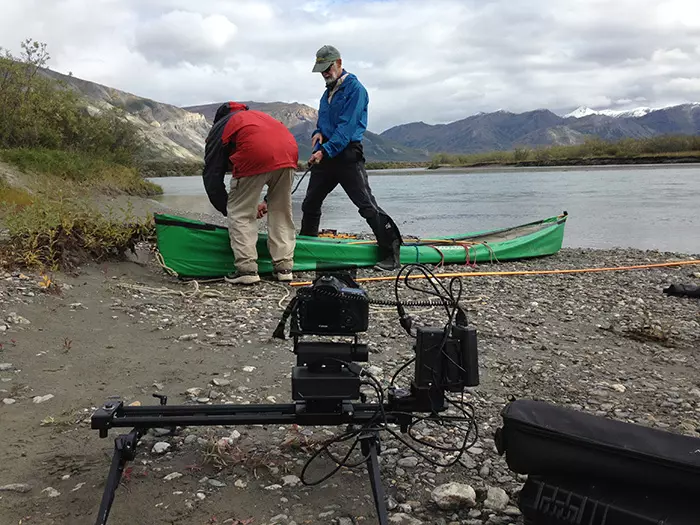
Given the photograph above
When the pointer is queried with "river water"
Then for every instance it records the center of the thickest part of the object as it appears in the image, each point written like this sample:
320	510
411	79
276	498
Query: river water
654	207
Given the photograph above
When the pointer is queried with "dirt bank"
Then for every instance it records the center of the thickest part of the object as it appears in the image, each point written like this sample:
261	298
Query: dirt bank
607	343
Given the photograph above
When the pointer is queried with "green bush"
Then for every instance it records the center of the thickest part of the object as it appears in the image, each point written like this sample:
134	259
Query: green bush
59	234
38	111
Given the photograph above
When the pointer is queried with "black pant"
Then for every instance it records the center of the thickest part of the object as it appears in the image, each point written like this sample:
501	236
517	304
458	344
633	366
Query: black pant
348	170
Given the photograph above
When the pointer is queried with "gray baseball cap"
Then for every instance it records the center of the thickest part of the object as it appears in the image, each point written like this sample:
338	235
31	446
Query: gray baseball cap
325	57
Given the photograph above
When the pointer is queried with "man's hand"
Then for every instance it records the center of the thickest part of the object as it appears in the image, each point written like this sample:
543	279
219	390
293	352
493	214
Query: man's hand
316	139
262	209
316	157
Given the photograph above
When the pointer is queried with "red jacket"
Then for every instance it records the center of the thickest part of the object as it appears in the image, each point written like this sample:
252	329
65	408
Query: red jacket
261	143
246	142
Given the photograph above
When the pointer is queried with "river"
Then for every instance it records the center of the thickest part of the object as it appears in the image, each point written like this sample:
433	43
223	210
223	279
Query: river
650	207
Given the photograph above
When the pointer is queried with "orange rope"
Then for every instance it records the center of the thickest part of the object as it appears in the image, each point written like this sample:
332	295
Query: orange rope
523	272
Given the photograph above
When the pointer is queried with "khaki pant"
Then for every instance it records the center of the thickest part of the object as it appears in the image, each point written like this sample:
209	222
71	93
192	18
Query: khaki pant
242	208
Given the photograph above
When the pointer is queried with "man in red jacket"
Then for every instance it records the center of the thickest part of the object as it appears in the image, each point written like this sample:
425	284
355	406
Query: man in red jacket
259	150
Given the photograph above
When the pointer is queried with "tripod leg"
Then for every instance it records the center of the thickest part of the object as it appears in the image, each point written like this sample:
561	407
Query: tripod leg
124	450
370	448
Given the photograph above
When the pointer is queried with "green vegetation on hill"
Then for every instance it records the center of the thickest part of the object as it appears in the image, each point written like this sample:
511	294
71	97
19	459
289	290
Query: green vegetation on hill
65	154
594	151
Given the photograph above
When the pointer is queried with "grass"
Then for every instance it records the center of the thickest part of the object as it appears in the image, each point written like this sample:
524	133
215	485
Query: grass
58	234
54	224
81	171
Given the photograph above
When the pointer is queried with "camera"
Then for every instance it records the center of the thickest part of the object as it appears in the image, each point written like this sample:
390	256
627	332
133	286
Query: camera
324	377
333	305
326	382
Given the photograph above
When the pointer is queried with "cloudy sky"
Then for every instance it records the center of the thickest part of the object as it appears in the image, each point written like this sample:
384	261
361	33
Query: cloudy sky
435	61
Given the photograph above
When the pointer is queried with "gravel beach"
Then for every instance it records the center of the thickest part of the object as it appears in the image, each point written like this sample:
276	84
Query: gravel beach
608	343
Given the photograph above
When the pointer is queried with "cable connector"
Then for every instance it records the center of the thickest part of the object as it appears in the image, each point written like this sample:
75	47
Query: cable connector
406	321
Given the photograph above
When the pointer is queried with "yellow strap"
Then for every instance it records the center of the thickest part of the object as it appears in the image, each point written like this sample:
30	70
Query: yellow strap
523	272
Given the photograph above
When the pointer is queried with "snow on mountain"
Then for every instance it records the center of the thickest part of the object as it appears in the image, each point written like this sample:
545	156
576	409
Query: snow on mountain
584	111
581	112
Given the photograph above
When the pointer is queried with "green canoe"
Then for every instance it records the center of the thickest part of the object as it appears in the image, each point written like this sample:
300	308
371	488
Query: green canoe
196	250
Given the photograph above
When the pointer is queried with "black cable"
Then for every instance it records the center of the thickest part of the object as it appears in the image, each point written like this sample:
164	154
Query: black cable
448	298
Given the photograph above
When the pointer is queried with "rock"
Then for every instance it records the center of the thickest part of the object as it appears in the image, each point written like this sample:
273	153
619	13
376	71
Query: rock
13	318
280	518
345	521
453	495
248	368
188	337
159	432
404	519
42	399
496	499
694	392
291	481
408	462
192	438
3	327
16	487
216	483
273	487
619	388
240	484
5	366
201	496
51	492
512	511
220	382
160	448
9	401
195	392
172	476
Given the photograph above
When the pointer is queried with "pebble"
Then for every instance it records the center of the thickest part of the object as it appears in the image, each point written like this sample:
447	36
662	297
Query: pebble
404	519
453	495
172	476
216	483
5	366
291	481
187	337
160	448
51	492
408	462
496	499
16	487
9	401
14	318
42	399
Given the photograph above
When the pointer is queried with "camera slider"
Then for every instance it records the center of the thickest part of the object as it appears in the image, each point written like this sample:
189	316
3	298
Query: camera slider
114	414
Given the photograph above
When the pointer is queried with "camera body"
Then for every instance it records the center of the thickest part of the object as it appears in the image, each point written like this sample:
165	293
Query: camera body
333	305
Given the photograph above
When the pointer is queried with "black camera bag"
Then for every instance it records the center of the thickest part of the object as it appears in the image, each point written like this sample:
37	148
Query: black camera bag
542	439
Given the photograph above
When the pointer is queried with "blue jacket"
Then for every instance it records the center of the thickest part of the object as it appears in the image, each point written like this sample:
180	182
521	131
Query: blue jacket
345	118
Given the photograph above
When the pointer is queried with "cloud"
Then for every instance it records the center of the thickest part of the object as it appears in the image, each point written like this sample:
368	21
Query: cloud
179	37
435	61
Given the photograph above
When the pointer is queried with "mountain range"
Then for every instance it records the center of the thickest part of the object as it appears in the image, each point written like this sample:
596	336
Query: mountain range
178	133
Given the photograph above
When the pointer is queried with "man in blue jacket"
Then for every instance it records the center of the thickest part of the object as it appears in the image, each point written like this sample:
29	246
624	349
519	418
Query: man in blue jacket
338	157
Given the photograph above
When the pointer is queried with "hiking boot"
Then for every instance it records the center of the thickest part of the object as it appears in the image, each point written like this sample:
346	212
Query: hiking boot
242	278
391	261
283	275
